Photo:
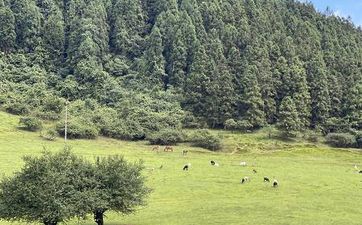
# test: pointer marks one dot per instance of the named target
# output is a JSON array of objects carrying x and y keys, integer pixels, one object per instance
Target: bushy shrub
[
  {"x": 17, "y": 108},
  {"x": 48, "y": 115},
  {"x": 30, "y": 123},
  {"x": 166, "y": 137},
  {"x": 244, "y": 125},
  {"x": 312, "y": 136},
  {"x": 190, "y": 121},
  {"x": 49, "y": 134},
  {"x": 204, "y": 139},
  {"x": 230, "y": 124},
  {"x": 342, "y": 140},
  {"x": 358, "y": 136},
  {"x": 78, "y": 129},
  {"x": 124, "y": 131}
]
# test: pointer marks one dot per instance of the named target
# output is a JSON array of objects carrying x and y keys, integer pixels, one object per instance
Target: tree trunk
[{"x": 98, "y": 217}]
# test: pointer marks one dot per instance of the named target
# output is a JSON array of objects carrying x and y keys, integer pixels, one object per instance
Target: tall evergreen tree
[
  {"x": 317, "y": 79},
  {"x": 288, "y": 121},
  {"x": 253, "y": 102},
  {"x": 7, "y": 28}
]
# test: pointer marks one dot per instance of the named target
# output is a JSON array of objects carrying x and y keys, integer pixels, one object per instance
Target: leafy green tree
[
  {"x": 120, "y": 187},
  {"x": 47, "y": 190}
]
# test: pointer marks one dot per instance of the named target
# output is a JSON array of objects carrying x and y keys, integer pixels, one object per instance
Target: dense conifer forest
[{"x": 132, "y": 68}]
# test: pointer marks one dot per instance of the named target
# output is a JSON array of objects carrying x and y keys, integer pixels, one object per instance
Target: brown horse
[
  {"x": 168, "y": 149},
  {"x": 156, "y": 148}
]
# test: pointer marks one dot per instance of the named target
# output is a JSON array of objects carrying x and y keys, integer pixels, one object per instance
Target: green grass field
[{"x": 318, "y": 184}]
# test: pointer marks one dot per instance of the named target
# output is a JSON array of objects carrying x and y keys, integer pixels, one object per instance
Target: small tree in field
[
  {"x": 120, "y": 187},
  {"x": 48, "y": 190},
  {"x": 54, "y": 188}
]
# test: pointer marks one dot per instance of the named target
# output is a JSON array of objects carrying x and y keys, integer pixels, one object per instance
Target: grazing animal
[
  {"x": 266, "y": 179},
  {"x": 168, "y": 149},
  {"x": 243, "y": 164},
  {"x": 156, "y": 148},
  {"x": 212, "y": 163},
  {"x": 184, "y": 152},
  {"x": 244, "y": 180},
  {"x": 275, "y": 183},
  {"x": 186, "y": 168},
  {"x": 355, "y": 167},
  {"x": 217, "y": 164},
  {"x": 360, "y": 171},
  {"x": 254, "y": 170}
]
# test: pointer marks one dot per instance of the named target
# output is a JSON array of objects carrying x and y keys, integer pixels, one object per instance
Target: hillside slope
[{"x": 217, "y": 60}]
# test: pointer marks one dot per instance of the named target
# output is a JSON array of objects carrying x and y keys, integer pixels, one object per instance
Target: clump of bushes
[
  {"x": 312, "y": 136},
  {"x": 341, "y": 140},
  {"x": 131, "y": 131},
  {"x": 49, "y": 134},
  {"x": 230, "y": 124},
  {"x": 30, "y": 123},
  {"x": 166, "y": 137},
  {"x": 190, "y": 121},
  {"x": 17, "y": 108},
  {"x": 78, "y": 129},
  {"x": 204, "y": 139},
  {"x": 358, "y": 136},
  {"x": 241, "y": 125}
]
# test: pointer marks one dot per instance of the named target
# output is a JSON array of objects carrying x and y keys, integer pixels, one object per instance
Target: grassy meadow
[{"x": 318, "y": 184}]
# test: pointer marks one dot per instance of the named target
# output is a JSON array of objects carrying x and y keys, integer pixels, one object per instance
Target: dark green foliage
[
  {"x": 47, "y": 190},
  {"x": 230, "y": 124},
  {"x": 78, "y": 129},
  {"x": 289, "y": 122},
  {"x": 244, "y": 125},
  {"x": 118, "y": 186},
  {"x": 30, "y": 124},
  {"x": 359, "y": 139},
  {"x": 341, "y": 140},
  {"x": 49, "y": 134},
  {"x": 153, "y": 62},
  {"x": 166, "y": 137},
  {"x": 17, "y": 108},
  {"x": 204, "y": 139},
  {"x": 7, "y": 28},
  {"x": 57, "y": 187}
]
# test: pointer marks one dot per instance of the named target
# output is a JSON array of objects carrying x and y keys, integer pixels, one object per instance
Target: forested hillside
[{"x": 133, "y": 67}]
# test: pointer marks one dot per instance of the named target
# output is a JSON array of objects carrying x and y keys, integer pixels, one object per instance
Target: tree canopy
[{"x": 216, "y": 60}]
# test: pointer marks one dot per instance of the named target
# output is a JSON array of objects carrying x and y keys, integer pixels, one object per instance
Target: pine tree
[
  {"x": 252, "y": 99},
  {"x": 317, "y": 79},
  {"x": 153, "y": 62},
  {"x": 300, "y": 93},
  {"x": 288, "y": 121},
  {"x": 28, "y": 24},
  {"x": 7, "y": 28}
]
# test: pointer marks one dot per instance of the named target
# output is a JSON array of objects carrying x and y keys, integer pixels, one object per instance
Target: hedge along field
[{"x": 318, "y": 184}]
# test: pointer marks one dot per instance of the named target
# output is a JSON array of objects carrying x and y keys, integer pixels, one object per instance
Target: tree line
[{"x": 197, "y": 63}]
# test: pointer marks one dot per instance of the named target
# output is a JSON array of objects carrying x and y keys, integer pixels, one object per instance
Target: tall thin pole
[{"x": 66, "y": 122}]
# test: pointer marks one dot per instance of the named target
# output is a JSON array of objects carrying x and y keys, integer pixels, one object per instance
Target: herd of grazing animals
[{"x": 186, "y": 167}]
